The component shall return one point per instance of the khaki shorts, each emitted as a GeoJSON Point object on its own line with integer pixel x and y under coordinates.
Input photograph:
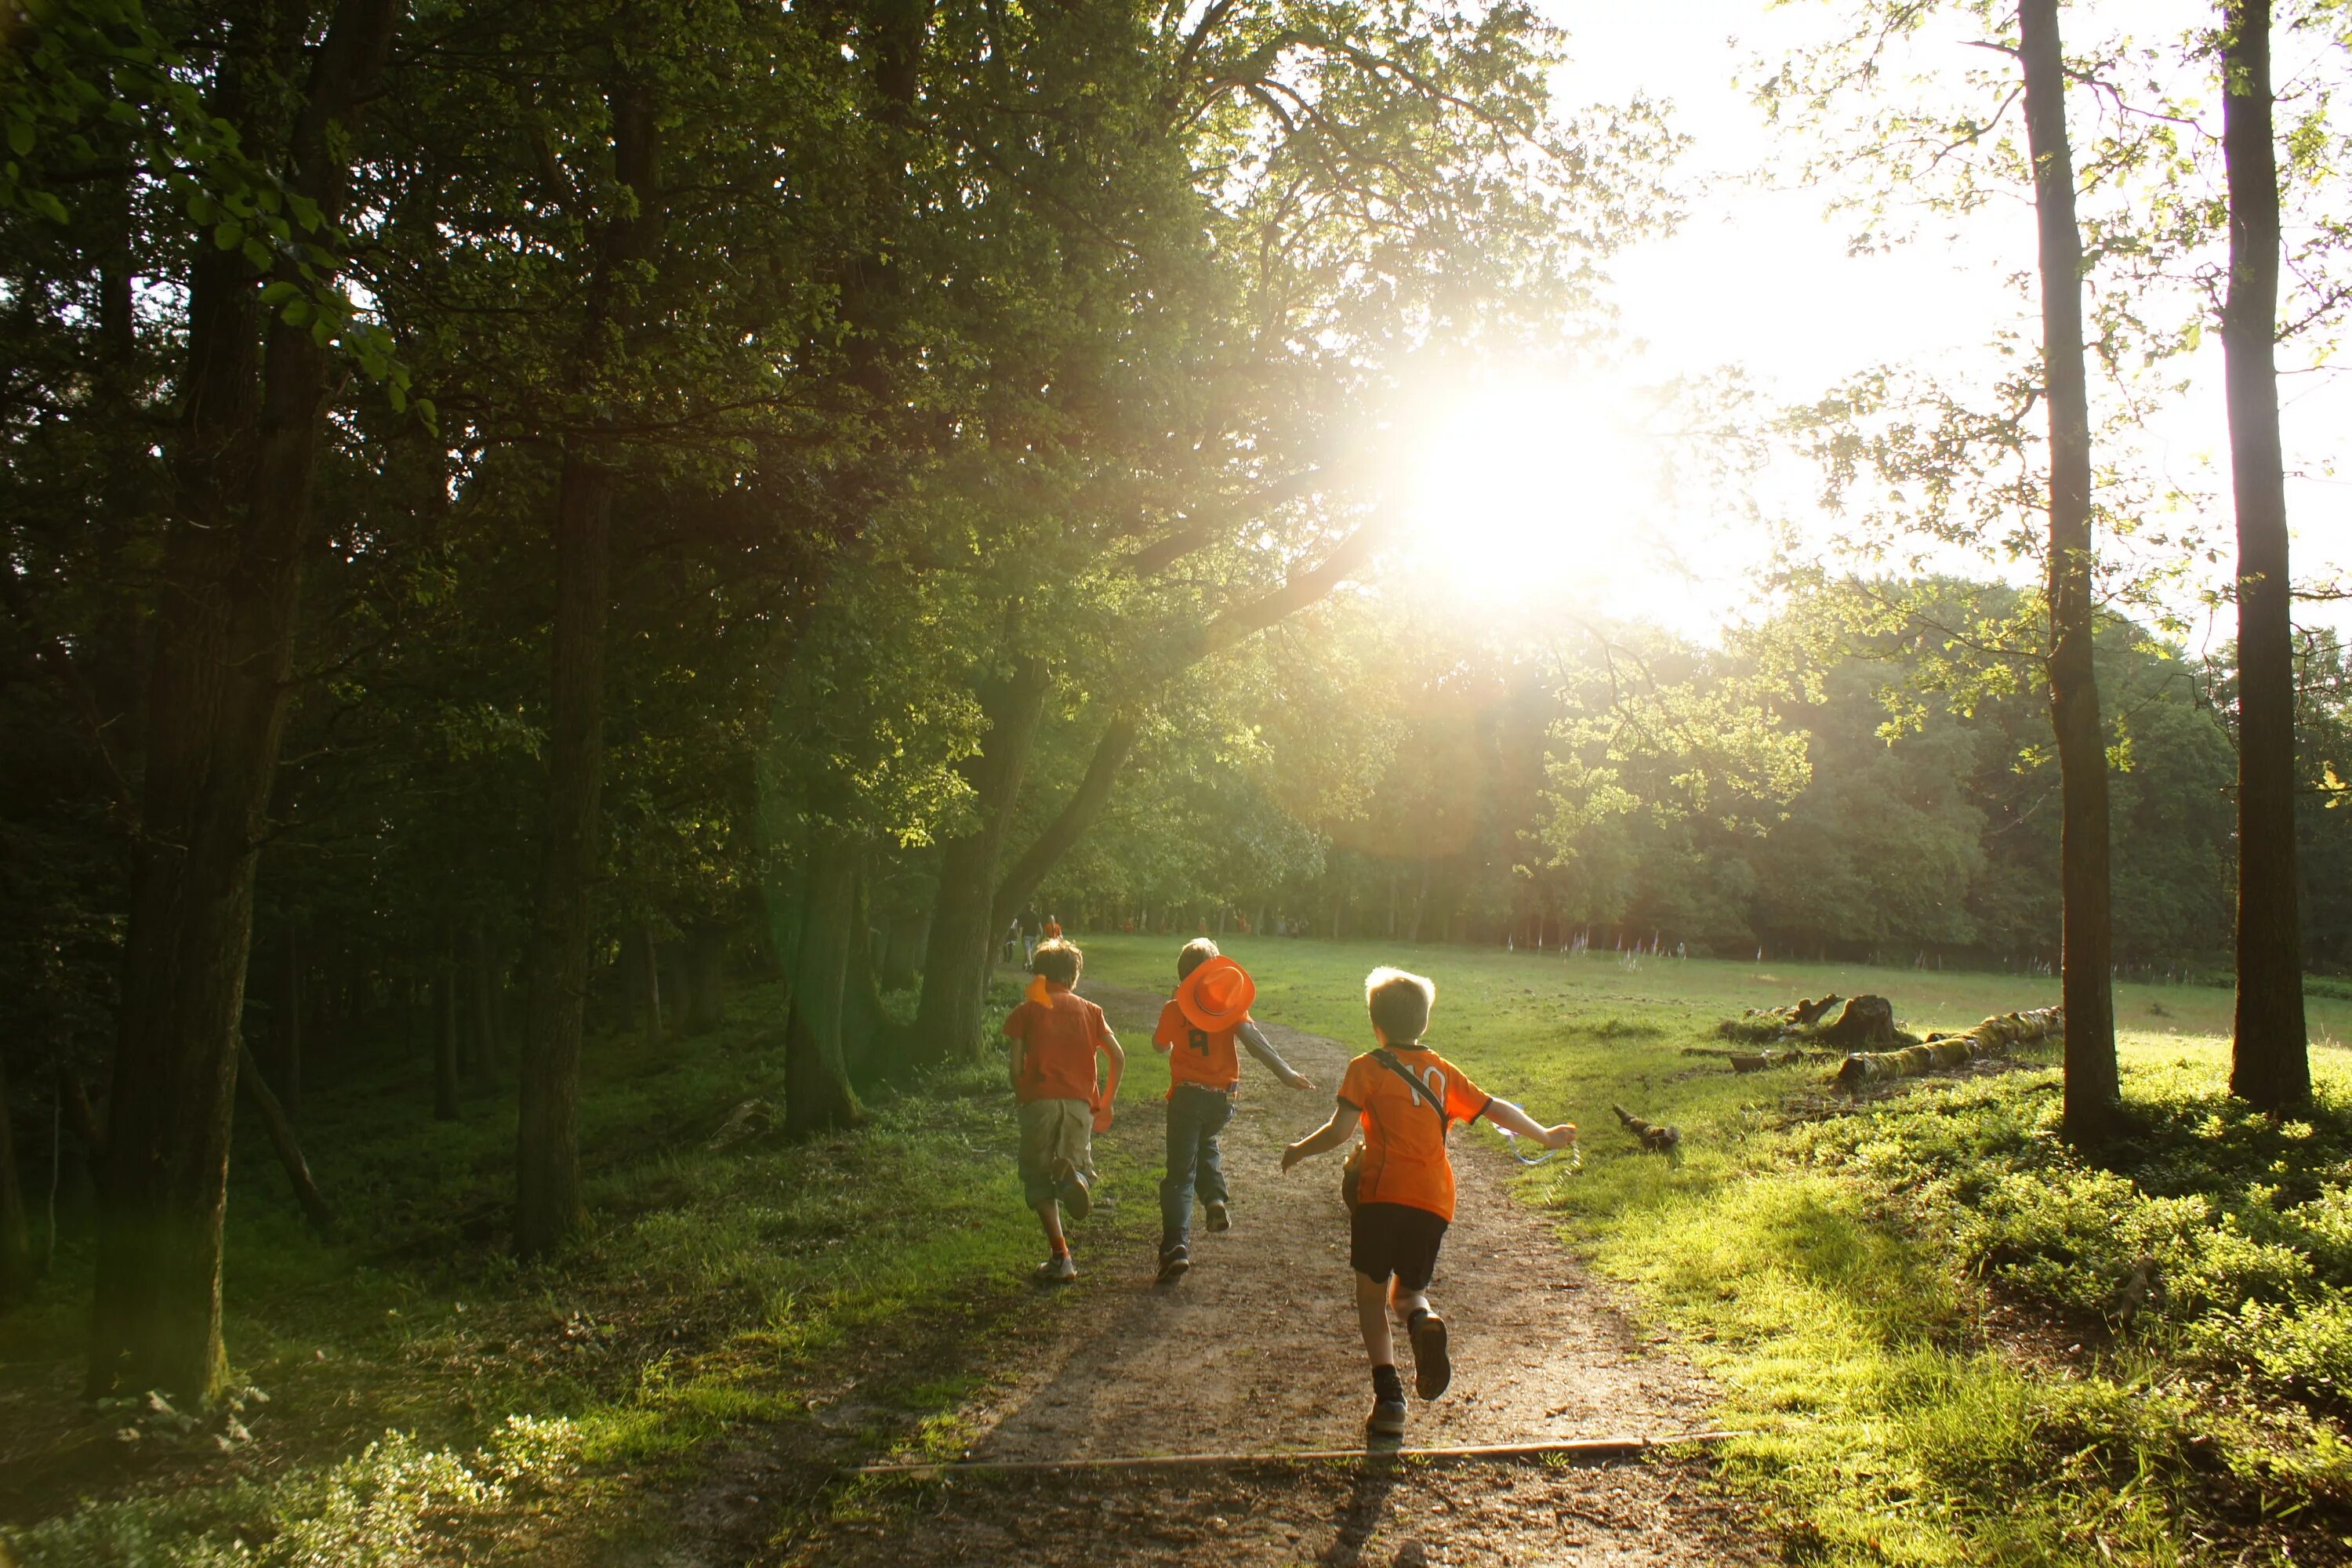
{"type": "Point", "coordinates": [1053, 1130]}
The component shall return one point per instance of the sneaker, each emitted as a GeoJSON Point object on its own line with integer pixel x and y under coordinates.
{"type": "Point", "coordinates": [1387, 1419]}
{"type": "Point", "coordinates": [1070, 1186]}
{"type": "Point", "coordinates": [1432, 1371]}
{"type": "Point", "coordinates": [1218, 1218]}
{"type": "Point", "coordinates": [1058, 1269]}
{"type": "Point", "coordinates": [1173, 1265]}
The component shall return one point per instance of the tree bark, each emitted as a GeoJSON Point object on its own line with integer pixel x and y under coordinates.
{"type": "Point", "coordinates": [275, 1123]}
{"type": "Point", "coordinates": [1084, 806]}
{"type": "Point", "coordinates": [289, 1021]}
{"type": "Point", "coordinates": [254, 401]}
{"type": "Point", "coordinates": [486, 1005]}
{"type": "Point", "coordinates": [817, 1095]}
{"type": "Point", "coordinates": [2091, 1089]}
{"type": "Point", "coordinates": [649, 954]}
{"type": "Point", "coordinates": [705, 1003]}
{"type": "Point", "coordinates": [444, 1040]}
{"type": "Point", "coordinates": [16, 1265]}
{"type": "Point", "coordinates": [2269, 1063]}
{"type": "Point", "coordinates": [964, 929]}
{"type": "Point", "coordinates": [549, 1208]}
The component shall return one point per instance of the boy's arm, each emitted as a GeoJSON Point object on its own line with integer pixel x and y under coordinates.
{"type": "Point", "coordinates": [1112, 1049]}
{"type": "Point", "coordinates": [1017, 1059]}
{"type": "Point", "coordinates": [1511, 1119]}
{"type": "Point", "coordinates": [1262, 1049]}
{"type": "Point", "coordinates": [1324, 1139]}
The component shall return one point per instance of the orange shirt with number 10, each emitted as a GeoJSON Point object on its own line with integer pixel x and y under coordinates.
{"type": "Point", "coordinates": [1405, 1138]}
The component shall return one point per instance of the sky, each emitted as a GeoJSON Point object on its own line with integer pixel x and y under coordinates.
{"type": "Point", "coordinates": [1758, 278]}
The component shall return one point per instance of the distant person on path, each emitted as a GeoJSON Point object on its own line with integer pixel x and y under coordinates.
{"type": "Point", "coordinates": [1406, 1098]}
{"type": "Point", "coordinates": [1052, 927]}
{"type": "Point", "coordinates": [1197, 1031]}
{"type": "Point", "coordinates": [1026, 925]}
{"type": "Point", "coordinates": [1056, 1035]}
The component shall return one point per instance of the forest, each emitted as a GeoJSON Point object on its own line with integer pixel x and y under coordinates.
{"type": "Point", "coordinates": [575, 581]}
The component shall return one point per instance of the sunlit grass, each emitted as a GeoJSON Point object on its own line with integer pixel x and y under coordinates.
{"type": "Point", "coordinates": [1834, 1275]}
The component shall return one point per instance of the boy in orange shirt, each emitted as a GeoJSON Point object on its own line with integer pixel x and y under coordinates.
{"type": "Point", "coordinates": [1197, 1031]}
{"type": "Point", "coordinates": [1406, 1098]}
{"type": "Point", "coordinates": [1056, 1035]}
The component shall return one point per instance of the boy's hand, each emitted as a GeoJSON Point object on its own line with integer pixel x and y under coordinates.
{"type": "Point", "coordinates": [1299, 1080]}
{"type": "Point", "coordinates": [1560, 1137]}
{"type": "Point", "coordinates": [1291, 1154]}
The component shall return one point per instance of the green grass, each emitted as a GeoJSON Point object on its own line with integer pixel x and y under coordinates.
{"type": "Point", "coordinates": [747, 1282]}
{"type": "Point", "coordinates": [1954, 1342]}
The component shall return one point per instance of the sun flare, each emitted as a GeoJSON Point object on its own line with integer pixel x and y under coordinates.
{"type": "Point", "coordinates": [1541, 490]}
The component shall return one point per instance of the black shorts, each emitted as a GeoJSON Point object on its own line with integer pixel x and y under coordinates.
{"type": "Point", "coordinates": [1394, 1238]}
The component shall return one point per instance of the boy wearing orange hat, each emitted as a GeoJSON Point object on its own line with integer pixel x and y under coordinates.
{"type": "Point", "coordinates": [1406, 1098]}
{"type": "Point", "coordinates": [1197, 1031]}
{"type": "Point", "coordinates": [1056, 1035]}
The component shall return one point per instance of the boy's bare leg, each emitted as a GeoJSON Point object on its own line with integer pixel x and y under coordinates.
{"type": "Point", "coordinates": [1373, 1314]}
{"type": "Point", "coordinates": [1405, 1303]}
{"type": "Point", "coordinates": [1050, 1212]}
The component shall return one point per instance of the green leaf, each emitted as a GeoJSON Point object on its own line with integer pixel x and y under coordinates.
{"type": "Point", "coordinates": [399, 397]}
{"type": "Point", "coordinates": [20, 136]}
{"type": "Point", "coordinates": [229, 235]}
{"type": "Point", "coordinates": [257, 253]}
{"type": "Point", "coordinates": [297, 312]}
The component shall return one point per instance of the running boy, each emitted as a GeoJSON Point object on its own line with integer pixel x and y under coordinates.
{"type": "Point", "coordinates": [1055, 1034]}
{"type": "Point", "coordinates": [1406, 1097]}
{"type": "Point", "coordinates": [1197, 1031]}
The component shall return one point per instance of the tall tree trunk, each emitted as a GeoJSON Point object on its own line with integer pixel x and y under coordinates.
{"type": "Point", "coordinates": [2093, 1088]}
{"type": "Point", "coordinates": [254, 402]}
{"type": "Point", "coordinates": [549, 1208]}
{"type": "Point", "coordinates": [2269, 1063]}
{"type": "Point", "coordinates": [486, 1005]}
{"type": "Point", "coordinates": [964, 927]}
{"type": "Point", "coordinates": [649, 955]}
{"type": "Point", "coordinates": [274, 1122]}
{"type": "Point", "coordinates": [444, 1039]}
{"type": "Point", "coordinates": [817, 1096]}
{"type": "Point", "coordinates": [16, 1265]}
{"type": "Point", "coordinates": [705, 1005]}
{"type": "Point", "coordinates": [289, 1021]}
{"type": "Point", "coordinates": [1086, 804]}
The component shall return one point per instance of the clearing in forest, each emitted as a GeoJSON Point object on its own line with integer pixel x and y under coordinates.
{"type": "Point", "coordinates": [1256, 1351]}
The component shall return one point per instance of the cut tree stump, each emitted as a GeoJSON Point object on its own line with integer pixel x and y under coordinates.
{"type": "Point", "coordinates": [1994, 1038]}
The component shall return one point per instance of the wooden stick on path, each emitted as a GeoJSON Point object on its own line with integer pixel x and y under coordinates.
{"type": "Point", "coordinates": [1575, 1447]}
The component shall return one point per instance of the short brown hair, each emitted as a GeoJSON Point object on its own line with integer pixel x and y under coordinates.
{"type": "Point", "coordinates": [1058, 961]}
{"type": "Point", "coordinates": [1399, 1003]}
{"type": "Point", "coordinates": [1197, 951]}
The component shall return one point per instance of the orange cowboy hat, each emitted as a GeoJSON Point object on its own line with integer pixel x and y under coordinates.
{"type": "Point", "coordinates": [1217, 995]}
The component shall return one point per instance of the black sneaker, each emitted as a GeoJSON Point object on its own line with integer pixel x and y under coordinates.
{"type": "Point", "coordinates": [1218, 1218]}
{"type": "Point", "coordinates": [1173, 1262]}
{"type": "Point", "coordinates": [1387, 1419]}
{"type": "Point", "coordinates": [1432, 1370]}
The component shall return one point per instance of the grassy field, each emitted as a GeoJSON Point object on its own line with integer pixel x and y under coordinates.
{"type": "Point", "coordinates": [1955, 1342]}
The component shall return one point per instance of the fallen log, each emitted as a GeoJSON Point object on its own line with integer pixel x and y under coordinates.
{"type": "Point", "coordinates": [1994, 1038]}
{"type": "Point", "coordinates": [1773, 1023]}
{"type": "Point", "coordinates": [1656, 1139]}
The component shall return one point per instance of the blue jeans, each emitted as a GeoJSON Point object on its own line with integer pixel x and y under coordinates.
{"type": "Point", "coordinates": [1195, 1159]}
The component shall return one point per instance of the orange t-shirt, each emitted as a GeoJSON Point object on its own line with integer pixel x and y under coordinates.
{"type": "Point", "coordinates": [1053, 930]}
{"type": "Point", "coordinates": [1205, 1057]}
{"type": "Point", "coordinates": [1059, 1036]}
{"type": "Point", "coordinates": [1405, 1139]}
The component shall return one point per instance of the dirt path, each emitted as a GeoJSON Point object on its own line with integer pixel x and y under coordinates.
{"type": "Point", "coordinates": [1257, 1350]}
